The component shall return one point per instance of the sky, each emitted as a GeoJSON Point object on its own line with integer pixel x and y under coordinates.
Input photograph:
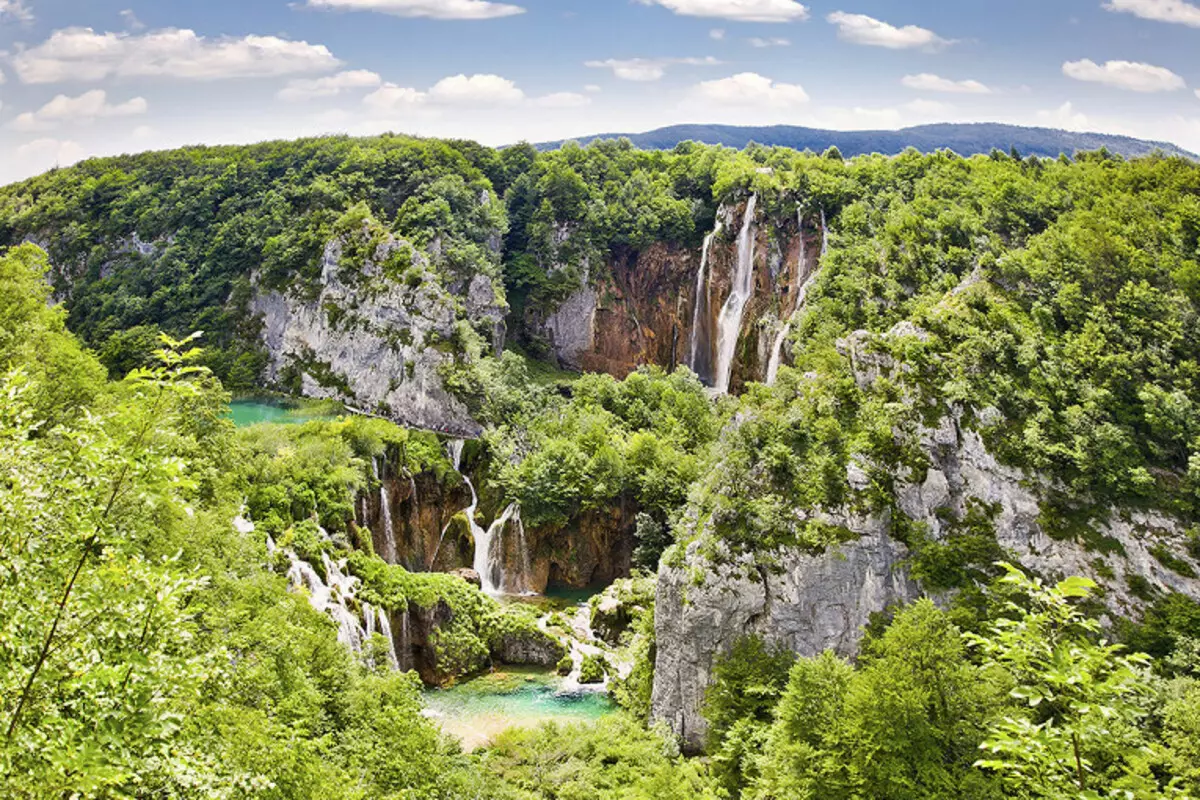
{"type": "Point", "coordinates": [80, 78]}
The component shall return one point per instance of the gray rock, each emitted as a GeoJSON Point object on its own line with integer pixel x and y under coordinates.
{"type": "Point", "coordinates": [375, 351]}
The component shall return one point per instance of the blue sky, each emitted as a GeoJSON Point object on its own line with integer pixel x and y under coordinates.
{"type": "Point", "coordinates": [94, 77]}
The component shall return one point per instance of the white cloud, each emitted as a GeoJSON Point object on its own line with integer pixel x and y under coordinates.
{"type": "Point", "coordinates": [41, 154]}
{"type": "Point", "coordinates": [301, 89]}
{"type": "Point", "coordinates": [741, 10]}
{"type": "Point", "coordinates": [131, 20]}
{"type": "Point", "coordinates": [752, 90]}
{"type": "Point", "coordinates": [927, 82]}
{"type": "Point", "coordinates": [717, 34]}
{"type": "Point", "coordinates": [86, 108]}
{"type": "Point", "coordinates": [434, 9]}
{"type": "Point", "coordinates": [390, 98]}
{"type": "Point", "coordinates": [1198, 93]}
{"type": "Point", "coordinates": [81, 54]}
{"type": "Point", "coordinates": [1130, 75]}
{"type": "Point", "coordinates": [562, 100]}
{"type": "Point", "coordinates": [475, 90]}
{"type": "Point", "coordinates": [764, 43]}
{"type": "Point", "coordinates": [861, 29]}
{"type": "Point", "coordinates": [1176, 11]}
{"type": "Point", "coordinates": [647, 69]}
{"type": "Point", "coordinates": [592, 88]}
{"type": "Point", "coordinates": [1065, 117]}
{"type": "Point", "coordinates": [928, 108]}
{"type": "Point", "coordinates": [15, 9]}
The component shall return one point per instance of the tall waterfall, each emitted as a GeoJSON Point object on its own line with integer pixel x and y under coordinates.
{"type": "Point", "coordinates": [700, 359]}
{"type": "Point", "coordinates": [388, 550]}
{"type": "Point", "coordinates": [824, 235]}
{"type": "Point", "coordinates": [801, 302]}
{"type": "Point", "coordinates": [729, 323]}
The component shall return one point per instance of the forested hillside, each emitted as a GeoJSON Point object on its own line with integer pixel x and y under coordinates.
{"type": "Point", "coordinates": [889, 469]}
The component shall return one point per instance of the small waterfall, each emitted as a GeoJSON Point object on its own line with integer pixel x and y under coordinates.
{"type": "Point", "coordinates": [454, 450]}
{"type": "Point", "coordinates": [521, 584]}
{"type": "Point", "coordinates": [385, 630]}
{"type": "Point", "coordinates": [404, 654]}
{"type": "Point", "coordinates": [824, 235]}
{"type": "Point", "coordinates": [388, 551]}
{"type": "Point", "coordinates": [489, 559]}
{"type": "Point", "coordinates": [729, 323]}
{"type": "Point", "coordinates": [700, 359]}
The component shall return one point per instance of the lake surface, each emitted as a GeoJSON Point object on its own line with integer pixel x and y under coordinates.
{"type": "Point", "coordinates": [253, 411]}
{"type": "Point", "coordinates": [477, 710]}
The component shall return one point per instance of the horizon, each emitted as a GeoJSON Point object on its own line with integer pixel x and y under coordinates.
{"type": "Point", "coordinates": [109, 77]}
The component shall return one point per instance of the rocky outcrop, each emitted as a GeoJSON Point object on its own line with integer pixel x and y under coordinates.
{"type": "Point", "coordinates": [816, 603]}
{"type": "Point", "coordinates": [530, 648]}
{"type": "Point", "coordinates": [411, 521]}
{"type": "Point", "coordinates": [813, 602]}
{"type": "Point", "coordinates": [375, 341]}
{"type": "Point", "coordinates": [641, 307]}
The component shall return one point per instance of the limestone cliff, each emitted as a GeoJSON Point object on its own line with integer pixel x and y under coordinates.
{"type": "Point", "coordinates": [375, 340]}
{"type": "Point", "coordinates": [641, 307]}
{"type": "Point", "coordinates": [707, 599]}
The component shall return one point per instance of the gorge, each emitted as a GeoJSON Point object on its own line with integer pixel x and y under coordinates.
{"type": "Point", "coordinates": [761, 405]}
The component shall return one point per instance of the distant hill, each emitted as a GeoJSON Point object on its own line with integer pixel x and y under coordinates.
{"type": "Point", "coordinates": [965, 139]}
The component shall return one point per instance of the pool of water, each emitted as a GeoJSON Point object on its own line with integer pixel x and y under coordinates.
{"type": "Point", "coordinates": [476, 710]}
{"type": "Point", "coordinates": [253, 411]}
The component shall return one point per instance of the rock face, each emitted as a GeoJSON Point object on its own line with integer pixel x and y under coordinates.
{"type": "Point", "coordinates": [820, 602]}
{"type": "Point", "coordinates": [817, 602]}
{"type": "Point", "coordinates": [377, 342]}
{"type": "Point", "coordinates": [642, 308]}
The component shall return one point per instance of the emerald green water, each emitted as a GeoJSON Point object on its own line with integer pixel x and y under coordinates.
{"type": "Point", "coordinates": [245, 413]}
{"type": "Point", "coordinates": [477, 710]}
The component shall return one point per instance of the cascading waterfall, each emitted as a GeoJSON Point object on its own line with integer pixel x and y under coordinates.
{"type": "Point", "coordinates": [700, 359]}
{"type": "Point", "coordinates": [824, 235]}
{"type": "Point", "coordinates": [489, 559]}
{"type": "Point", "coordinates": [385, 630]}
{"type": "Point", "coordinates": [388, 551]}
{"type": "Point", "coordinates": [801, 302]}
{"type": "Point", "coordinates": [729, 323]}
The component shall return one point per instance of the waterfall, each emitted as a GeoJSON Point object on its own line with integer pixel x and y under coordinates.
{"type": "Point", "coordinates": [404, 654]}
{"type": "Point", "coordinates": [801, 303]}
{"type": "Point", "coordinates": [729, 323]}
{"type": "Point", "coordinates": [522, 586]}
{"type": "Point", "coordinates": [824, 235]}
{"type": "Point", "coordinates": [700, 359]}
{"type": "Point", "coordinates": [385, 630]}
{"type": "Point", "coordinates": [454, 450]}
{"type": "Point", "coordinates": [488, 562]}
{"type": "Point", "coordinates": [388, 550]}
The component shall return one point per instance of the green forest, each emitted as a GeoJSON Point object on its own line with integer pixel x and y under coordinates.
{"type": "Point", "coordinates": [154, 639]}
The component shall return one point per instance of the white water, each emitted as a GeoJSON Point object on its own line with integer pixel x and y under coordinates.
{"type": "Point", "coordinates": [729, 323]}
{"type": "Point", "coordinates": [388, 550]}
{"type": "Point", "coordinates": [824, 235]}
{"type": "Point", "coordinates": [700, 359]}
{"type": "Point", "coordinates": [489, 563]}
{"type": "Point", "coordinates": [801, 303]}
{"type": "Point", "coordinates": [489, 555]}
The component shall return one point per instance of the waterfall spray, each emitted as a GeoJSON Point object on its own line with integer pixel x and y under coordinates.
{"type": "Point", "coordinates": [700, 358]}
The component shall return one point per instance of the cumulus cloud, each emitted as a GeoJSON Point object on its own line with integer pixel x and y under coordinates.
{"type": "Point", "coordinates": [750, 89]}
{"type": "Point", "coordinates": [1176, 11]}
{"type": "Point", "coordinates": [764, 43]}
{"type": "Point", "coordinates": [741, 10]}
{"type": "Point", "coordinates": [15, 9]}
{"type": "Point", "coordinates": [433, 9]}
{"type": "Point", "coordinates": [647, 69]}
{"type": "Point", "coordinates": [81, 54]}
{"type": "Point", "coordinates": [1130, 75]}
{"type": "Point", "coordinates": [301, 89]}
{"type": "Point", "coordinates": [86, 108]}
{"type": "Point", "coordinates": [476, 90]}
{"type": "Point", "coordinates": [131, 20]}
{"type": "Point", "coordinates": [1065, 116]}
{"type": "Point", "coordinates": [927, 82]}
{"type": "Point", "coordinates": [42, 154]}
{"type": "Point", "coordinates": [467, 92]}
{"type": "Point", "coordinates": [861, 29]}
{"type": "Point", "coordinates": [717, 34]}
{"type": "Point", "coordinates": [562, 100]}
